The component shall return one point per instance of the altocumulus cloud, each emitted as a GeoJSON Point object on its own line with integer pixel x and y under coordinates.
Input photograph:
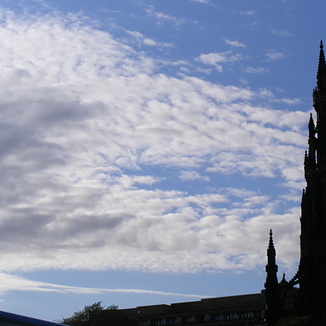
{"type": "Point", "coordinates": [87, 121]}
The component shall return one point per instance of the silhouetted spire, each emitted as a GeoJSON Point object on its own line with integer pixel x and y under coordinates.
{"type": "Point", "coordinates": [319, 102]}
{"type": "Point", "coordinates": [271, 253]}
{"type": "Point", "coordinates": [271, 242]}
{"type": "Point", "coordinates": [273, 298]}
{"type": "Point", "coordinates": [271, 267]}
{"type": "Point", "coordinates": [321, 74]}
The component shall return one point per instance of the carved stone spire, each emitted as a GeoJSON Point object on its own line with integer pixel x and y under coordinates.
{"type": "Point", "coordinates": [321, 81]}
{"type": "Point", "coordinates": [273, 298]}
{"type": "Point", "coordinates": [319, 102]}
{"type": "Point", "coordinates": [271, 254]}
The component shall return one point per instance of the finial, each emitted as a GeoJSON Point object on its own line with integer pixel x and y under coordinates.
{"type": "Point", "coordinates": [321, 73]}
{"type": "Point", "coordinates": [321, 57]}
{"type": "Point", "coordinates": [271, 243]}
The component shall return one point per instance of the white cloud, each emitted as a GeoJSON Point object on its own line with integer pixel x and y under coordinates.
{"type": "Point", "coordinates": [281, 32]}
{"type": "Point", "coordinates": [192, 175]}
{"type": "Point", "coordinates": [235, 43]}
{"type": "Point", "coordinates": [10, 283]}
{"type": "Point", "coordinates": [274, 55]}
{"type": "Point", "coordinates": [289, 101]}
{"type": "Point", "coordinates": [266, 93]}
{"type": "Point", "coordinates": [202, 1]}
{"type": "Point", "coordinates": [256, 70]}
{"type": "Point", "coordinates": [90, 131]}
{"type": "Point", "coordinates": [215, 59]}
{"type": "Point", "coordinates": [162, 17]}
{"type": "Point", "coordinates": [141, 39]}
{"type": "Point", "coordinates": [248, 12]}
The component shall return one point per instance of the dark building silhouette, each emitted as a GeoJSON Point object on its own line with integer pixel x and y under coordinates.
{"type": "Point", "coordinates": [240, 310]}
{"type": "Point", "coordinates": [311, 275]}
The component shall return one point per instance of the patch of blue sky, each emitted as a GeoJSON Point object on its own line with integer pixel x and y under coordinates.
{"type": "Point", "coordinates": [234, 188]}
{"type": "Point", "coordinates": [205, 284]}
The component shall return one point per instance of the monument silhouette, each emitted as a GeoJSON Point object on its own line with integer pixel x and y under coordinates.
{"type": "Point", "coordinates": [311, 275]}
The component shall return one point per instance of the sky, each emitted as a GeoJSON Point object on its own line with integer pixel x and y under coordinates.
{"type": "Point", "coordinates": [147, 147]}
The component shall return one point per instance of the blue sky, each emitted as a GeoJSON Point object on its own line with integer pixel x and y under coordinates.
{"type": "Point", "coordinates": [147, 147]}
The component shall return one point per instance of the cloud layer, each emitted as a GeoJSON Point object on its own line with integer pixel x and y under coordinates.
{"type": "Point", "coordinates": [94, 135]}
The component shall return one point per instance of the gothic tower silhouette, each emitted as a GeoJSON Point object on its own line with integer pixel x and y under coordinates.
{"type": "Point", "coordinates": [311, 275]}
{"type": "Point", "coordinates": [312, 269]}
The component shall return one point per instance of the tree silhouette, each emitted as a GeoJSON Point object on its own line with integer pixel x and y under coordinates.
{"type": "Point", "coordinates": [97, 315]}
